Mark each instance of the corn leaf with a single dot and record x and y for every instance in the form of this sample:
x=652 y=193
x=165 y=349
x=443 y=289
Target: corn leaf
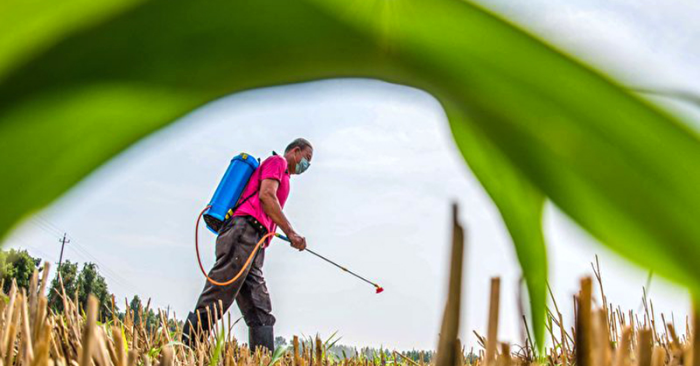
x=28 y=27
x=519 y=203
x=544 y=124
x=277 y=355
x=218 y=349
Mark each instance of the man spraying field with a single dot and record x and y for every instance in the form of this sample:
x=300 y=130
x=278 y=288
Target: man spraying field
x=259 y=214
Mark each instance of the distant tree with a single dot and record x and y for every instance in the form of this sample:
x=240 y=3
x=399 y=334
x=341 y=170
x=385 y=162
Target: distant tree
x=280 y=342
x=90 y=281
x=416 y=355
x=69 y=273
x=83 y=283
x=17 y=265
x=150 y=321
x=135 y=306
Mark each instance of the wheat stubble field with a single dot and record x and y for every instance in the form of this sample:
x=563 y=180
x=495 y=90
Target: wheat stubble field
x=32 y=335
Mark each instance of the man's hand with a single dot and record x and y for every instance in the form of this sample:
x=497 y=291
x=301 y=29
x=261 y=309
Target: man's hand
x=298 y=241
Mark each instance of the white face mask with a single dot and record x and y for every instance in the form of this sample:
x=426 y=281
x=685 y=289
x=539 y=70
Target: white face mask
x=302 y=165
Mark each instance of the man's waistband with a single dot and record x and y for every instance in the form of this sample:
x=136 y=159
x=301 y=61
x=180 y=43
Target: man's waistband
x=252 y=221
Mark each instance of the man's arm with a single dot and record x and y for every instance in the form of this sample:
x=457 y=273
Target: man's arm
x=273 y=209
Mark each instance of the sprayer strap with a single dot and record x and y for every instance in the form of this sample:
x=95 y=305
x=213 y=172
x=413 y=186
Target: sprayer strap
x=230 y=212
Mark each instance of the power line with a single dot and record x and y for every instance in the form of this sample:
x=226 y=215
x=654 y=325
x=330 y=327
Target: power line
x=107 y=269
x=48 y=223
x=110 y=275
x=53 y=230
x=45 y=228
x=26 y=245
x=113 y=276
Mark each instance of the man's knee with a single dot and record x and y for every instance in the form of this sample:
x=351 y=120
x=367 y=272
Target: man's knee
x=257 y=313
x=256 y=307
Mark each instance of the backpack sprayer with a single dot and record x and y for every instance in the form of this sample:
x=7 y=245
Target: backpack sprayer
x=225 y=202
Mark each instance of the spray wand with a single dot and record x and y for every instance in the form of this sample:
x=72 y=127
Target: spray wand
x=378 y=288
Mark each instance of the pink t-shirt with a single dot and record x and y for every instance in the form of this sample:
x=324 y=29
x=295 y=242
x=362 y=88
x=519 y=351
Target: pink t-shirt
x=274 y=167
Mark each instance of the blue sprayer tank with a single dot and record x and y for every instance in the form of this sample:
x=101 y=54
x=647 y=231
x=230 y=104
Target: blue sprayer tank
x=229 y=190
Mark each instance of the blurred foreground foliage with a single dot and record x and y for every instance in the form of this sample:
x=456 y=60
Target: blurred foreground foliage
x=81 y=81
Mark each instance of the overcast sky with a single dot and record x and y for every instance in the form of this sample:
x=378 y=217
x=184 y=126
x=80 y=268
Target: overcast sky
x=376 y=198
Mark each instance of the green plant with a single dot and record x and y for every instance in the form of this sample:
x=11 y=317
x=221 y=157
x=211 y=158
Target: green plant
x=531 y=122
x=278 y=355
x=219 y=348
x=328 y=344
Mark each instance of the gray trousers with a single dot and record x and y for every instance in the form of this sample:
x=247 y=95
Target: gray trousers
x=235 y=242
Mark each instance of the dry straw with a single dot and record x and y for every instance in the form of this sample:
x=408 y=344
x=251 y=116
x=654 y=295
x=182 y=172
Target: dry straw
x=603 y=335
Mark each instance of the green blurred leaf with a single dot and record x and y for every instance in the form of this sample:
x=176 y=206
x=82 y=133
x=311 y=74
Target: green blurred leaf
x=219 y=348
x=277 y=355
x=682 y=95
x=125 y=342
x=96 y=92
x=518 y=201
x=622 y=168
x=28 y=27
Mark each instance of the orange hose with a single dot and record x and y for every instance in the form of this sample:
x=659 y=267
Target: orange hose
x=247 y=262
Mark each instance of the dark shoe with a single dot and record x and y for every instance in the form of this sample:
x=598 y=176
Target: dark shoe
x=261 y=336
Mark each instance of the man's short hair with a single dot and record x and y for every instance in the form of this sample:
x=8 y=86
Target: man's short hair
x=301 y=143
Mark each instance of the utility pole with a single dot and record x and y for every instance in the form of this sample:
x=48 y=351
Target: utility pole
x=63 y=241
